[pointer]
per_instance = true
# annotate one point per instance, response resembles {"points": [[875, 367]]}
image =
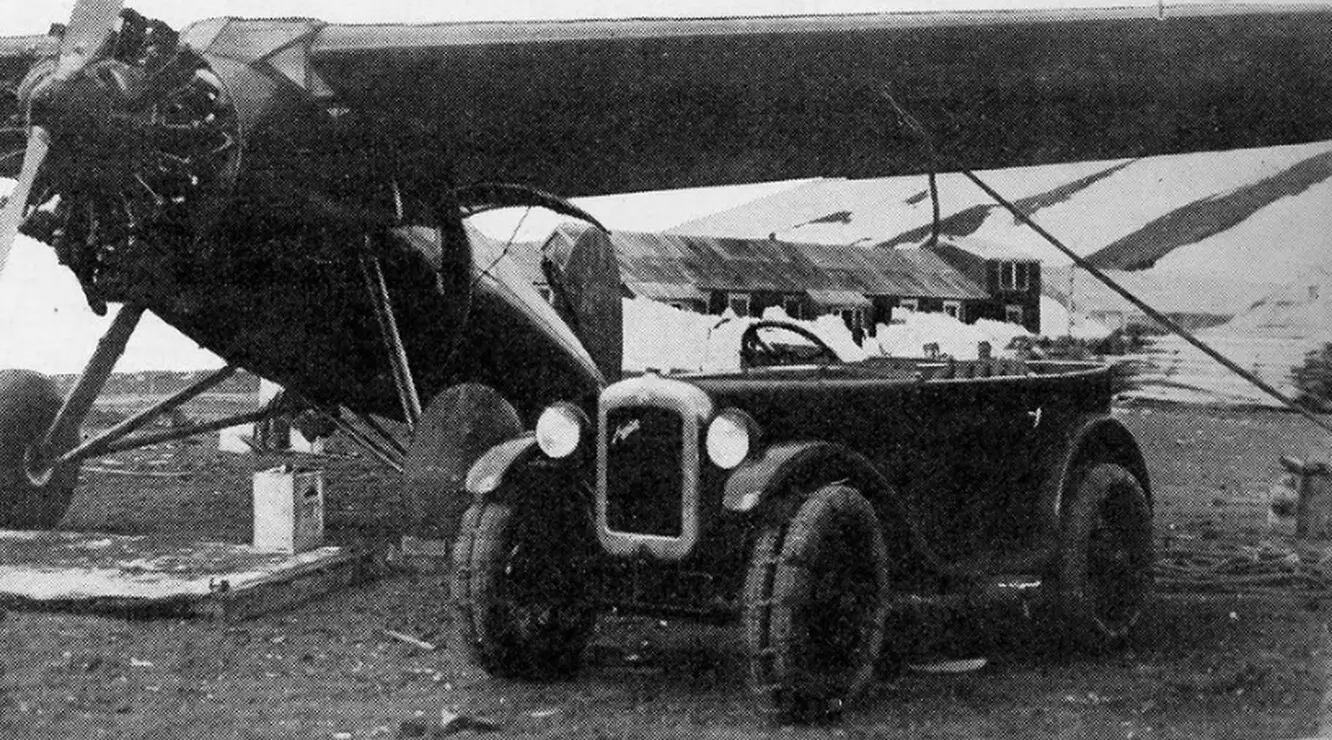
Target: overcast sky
{"points": [[36, 17]]}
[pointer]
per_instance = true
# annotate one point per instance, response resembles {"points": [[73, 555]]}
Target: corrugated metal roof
{"points": [[750, 265], [667, 291], [837, 298], [772, 266]]}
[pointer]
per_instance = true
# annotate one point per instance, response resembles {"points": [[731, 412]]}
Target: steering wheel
{"points": [[756, 352]]}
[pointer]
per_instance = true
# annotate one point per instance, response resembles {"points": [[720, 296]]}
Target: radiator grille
{"points": [[644, 480]]}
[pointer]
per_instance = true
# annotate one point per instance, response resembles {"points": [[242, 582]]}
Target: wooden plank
{"points": [[287, 589], [147, 576]]}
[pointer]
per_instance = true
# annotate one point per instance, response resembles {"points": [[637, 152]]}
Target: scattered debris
{"points": [[413, 641], [965, 665], [1235, 681], [1092, 699], [451, 722]]}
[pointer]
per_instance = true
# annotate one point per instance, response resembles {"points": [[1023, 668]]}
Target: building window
{"points": [[953, 308], [738, 302], [910, 304], [1013, 314], [1015, 275]]}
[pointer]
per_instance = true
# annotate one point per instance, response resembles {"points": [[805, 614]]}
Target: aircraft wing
{"points": [[593, 107], [613, 106]]}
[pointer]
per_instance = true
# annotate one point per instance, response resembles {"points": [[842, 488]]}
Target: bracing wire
{"points": [[917, 129]]}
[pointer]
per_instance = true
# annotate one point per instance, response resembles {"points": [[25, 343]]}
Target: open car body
{"points": [[966, 462]]}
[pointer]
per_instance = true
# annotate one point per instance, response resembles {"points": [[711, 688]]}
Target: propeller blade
{"points": [[11, 218], [91, 23]]}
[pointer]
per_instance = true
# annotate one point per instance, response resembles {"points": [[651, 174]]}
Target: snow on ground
{"points": [[908, 337], [1058, 321], [664, 338], [1174, 370], [1268, 340]]}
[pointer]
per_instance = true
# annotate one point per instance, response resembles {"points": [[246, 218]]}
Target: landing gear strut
{"points": [[40, 446]]}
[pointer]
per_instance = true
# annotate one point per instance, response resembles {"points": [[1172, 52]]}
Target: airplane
{"points": [[294, 195]]}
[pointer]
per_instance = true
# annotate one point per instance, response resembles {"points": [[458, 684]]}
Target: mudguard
{"points": [[783, 474], [490, 470], [1101, 438]]}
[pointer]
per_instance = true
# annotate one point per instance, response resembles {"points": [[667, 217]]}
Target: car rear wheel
{"points": [[519, 593], [28, 403], [815, 600], [1106, 557]]}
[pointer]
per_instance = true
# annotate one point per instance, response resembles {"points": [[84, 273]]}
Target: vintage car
{"points": [[802, 498]]}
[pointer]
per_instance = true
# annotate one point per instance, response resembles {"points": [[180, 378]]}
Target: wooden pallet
{"points": [[140, 576]]}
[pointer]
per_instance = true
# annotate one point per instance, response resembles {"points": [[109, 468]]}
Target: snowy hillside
{"points": [[1239, 234]]}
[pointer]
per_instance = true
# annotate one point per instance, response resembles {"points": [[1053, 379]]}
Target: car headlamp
{"points": [[559, 430], [731, 437]]}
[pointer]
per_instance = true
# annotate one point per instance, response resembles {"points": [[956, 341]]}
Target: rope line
{"points": [[1269, 568]]}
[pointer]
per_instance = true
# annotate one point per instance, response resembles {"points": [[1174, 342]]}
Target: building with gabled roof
{"points": [[708, 274]]}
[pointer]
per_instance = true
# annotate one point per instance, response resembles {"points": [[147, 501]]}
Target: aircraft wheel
{"points": [[519, 597], [816, 596], [1106, 562], [28, 403], [459, 425]]}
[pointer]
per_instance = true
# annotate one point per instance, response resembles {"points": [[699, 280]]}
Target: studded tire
{"points": [[28, 403], [519, 592], [816, 596], [1105, 567]]}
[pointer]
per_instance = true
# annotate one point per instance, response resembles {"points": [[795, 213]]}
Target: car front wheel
{"points": [[519, 592], [815, 600]]}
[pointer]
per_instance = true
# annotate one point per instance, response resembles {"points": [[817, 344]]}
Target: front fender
{"points": [[757, 480], [766, 482], [489, 472], [1101, 438]]}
